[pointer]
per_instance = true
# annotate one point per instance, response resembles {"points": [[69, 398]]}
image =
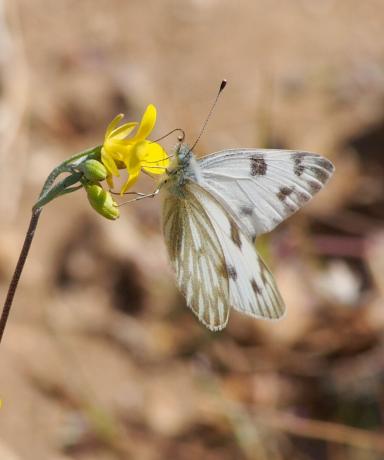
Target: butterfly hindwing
{"points": [[216, 264], [263, 187], [252, 288]]}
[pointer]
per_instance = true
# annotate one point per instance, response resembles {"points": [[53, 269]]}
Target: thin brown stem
{"points": [[18, 270]]}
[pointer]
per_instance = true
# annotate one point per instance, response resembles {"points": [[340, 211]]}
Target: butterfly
{"points": [[213, 210]]}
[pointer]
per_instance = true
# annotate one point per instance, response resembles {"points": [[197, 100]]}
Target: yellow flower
{"points": [[136, 152]]}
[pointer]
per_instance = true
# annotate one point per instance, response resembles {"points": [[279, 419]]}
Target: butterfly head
{"points": [[186, 165], [184, 168], [183, 155]]}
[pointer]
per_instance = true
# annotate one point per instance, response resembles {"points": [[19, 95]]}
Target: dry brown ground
{"points": [[101, 359]]}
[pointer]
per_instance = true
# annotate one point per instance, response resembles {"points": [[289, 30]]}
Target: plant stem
{"points": [[19, 268], [47, 194]]}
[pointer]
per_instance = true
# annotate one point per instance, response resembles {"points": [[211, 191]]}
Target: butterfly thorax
{"points": [[184, 168]]}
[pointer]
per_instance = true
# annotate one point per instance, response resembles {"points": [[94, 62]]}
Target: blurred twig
{"points": [[326, 431]]}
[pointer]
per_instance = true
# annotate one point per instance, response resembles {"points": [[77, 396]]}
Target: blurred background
{"points": [[101, 358]]}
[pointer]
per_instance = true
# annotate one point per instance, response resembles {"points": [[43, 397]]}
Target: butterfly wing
{"points": [[216, 264], [197, 257], [263, 187]]}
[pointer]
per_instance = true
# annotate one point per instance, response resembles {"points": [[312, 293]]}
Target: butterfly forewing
{"points": [[263, 187], [216, 264], [196, 254]]}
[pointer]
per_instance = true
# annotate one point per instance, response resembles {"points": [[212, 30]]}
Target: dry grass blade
{"points": [[325, 431]]}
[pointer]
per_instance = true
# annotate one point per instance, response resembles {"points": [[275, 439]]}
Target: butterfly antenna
{"points": [[180, 137], [223, 84]]}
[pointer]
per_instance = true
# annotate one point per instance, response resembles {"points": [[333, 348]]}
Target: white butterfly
{"points": [[215, 207]]}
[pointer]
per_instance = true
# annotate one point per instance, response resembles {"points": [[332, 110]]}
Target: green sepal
{"points": [[61, 188], [71, 166]]}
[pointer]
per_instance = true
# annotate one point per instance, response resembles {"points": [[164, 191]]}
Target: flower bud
{"points": [[94, 170], [102, 202]]}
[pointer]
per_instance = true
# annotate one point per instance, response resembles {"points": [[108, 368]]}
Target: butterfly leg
{"points": [[148, 174], [141, 196]]}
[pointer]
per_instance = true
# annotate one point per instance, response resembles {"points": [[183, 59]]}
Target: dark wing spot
{"points": [[246, 210], [298, 166], [302, 155], [232, 273], [223, 270], [284, 192], [258, 165], [326, 164], [255, 287], [235, 235], [319, 174], [303, 197], [314, 186]]}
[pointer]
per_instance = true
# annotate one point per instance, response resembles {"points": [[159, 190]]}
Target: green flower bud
{"points": [[94, 170], [102, 202]]}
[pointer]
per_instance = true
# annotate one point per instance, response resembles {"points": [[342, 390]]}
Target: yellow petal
{"points": [[147, 123], [116, 149], [109, 163], [132, 178], [126, 154], [156, 159], [123, 131], [113, 124], [110, 183]]}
